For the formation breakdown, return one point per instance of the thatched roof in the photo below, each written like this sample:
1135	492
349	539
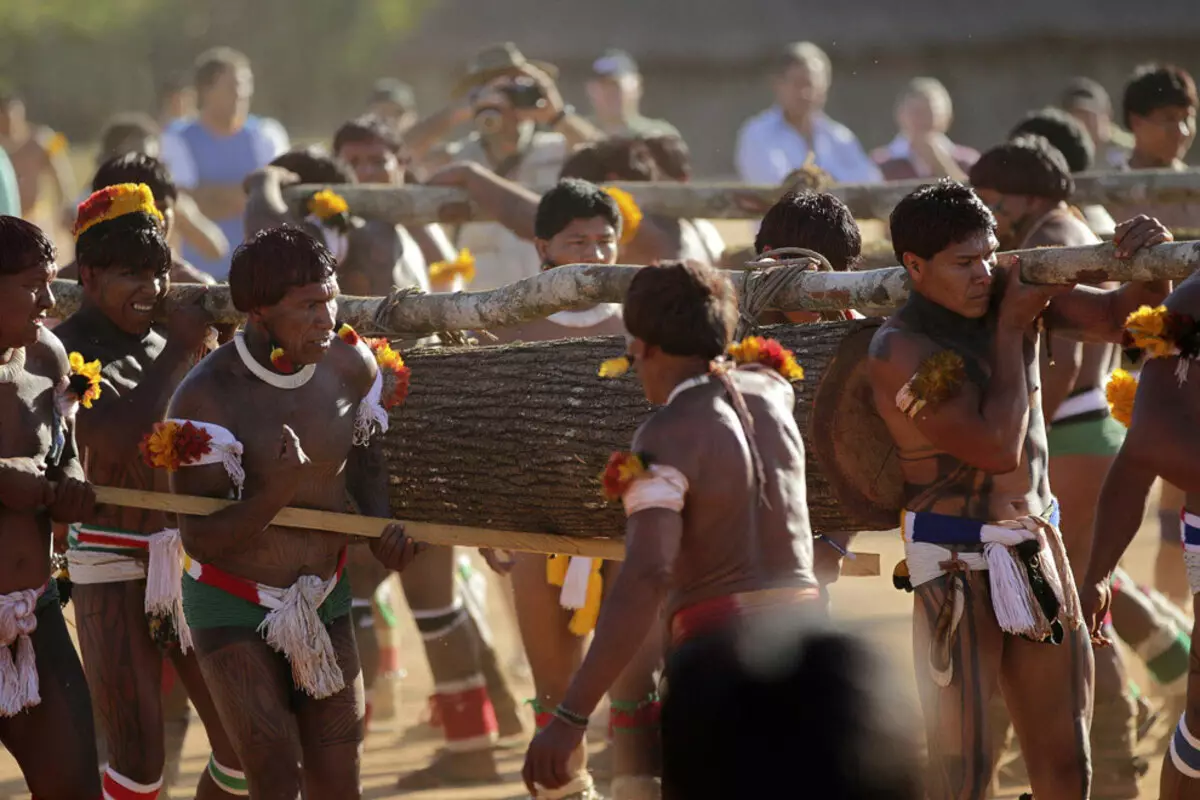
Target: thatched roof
741	30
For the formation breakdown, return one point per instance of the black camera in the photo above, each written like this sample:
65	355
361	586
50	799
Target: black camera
523	93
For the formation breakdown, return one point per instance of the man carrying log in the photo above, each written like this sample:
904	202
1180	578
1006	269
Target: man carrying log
717	528
1161	442
378	156
1027	185
956	380
125	562
45	711
557	598
286	413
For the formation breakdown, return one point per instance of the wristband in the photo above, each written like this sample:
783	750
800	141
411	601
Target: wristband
570	717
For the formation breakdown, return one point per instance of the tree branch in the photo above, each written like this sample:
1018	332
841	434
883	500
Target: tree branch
581	285
414	205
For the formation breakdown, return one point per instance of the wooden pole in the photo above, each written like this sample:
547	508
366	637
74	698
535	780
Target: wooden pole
579	285
861	564
415	205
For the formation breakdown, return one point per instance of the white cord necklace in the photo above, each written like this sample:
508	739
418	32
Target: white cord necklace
14	367
293	381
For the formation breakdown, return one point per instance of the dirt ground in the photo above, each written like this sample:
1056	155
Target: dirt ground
868	605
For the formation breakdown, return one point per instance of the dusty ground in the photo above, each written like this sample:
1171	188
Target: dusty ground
869	605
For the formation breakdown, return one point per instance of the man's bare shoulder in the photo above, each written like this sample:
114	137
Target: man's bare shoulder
1062	229
895	343
356	363
49	350
205	390
1186	297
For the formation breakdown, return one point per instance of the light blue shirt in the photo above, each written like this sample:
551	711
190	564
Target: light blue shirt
10	198
769	148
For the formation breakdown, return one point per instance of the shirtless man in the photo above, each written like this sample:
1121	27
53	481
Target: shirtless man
144	169
1027	185
657	237
973	454
35	151
123	562
290	696
45	711
726	448
577	223
378	156
1161	442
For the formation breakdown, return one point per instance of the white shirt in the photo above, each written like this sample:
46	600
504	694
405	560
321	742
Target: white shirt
769	148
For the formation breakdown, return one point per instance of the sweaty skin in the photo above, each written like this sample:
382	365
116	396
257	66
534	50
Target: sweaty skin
1162	441
140	373
730	542
64	716
309	466
982	455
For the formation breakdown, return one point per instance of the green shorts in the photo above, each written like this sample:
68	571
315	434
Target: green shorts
1086	436
207	606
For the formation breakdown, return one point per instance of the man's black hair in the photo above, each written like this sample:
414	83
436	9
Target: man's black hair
313	165
120	128
570	200
615	159
271	262
1155	86
936	216
1064	132
819	222
1026	165
23	246
370	128
138	168
133	241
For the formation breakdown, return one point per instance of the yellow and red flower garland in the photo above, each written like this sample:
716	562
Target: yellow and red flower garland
622	470
170	445
84	380
463	265
751	350
1120	391
331	209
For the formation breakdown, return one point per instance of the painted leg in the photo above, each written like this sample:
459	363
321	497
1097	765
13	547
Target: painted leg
634	729
224	776
554	653
957	723
460	693
54	742
124	669
1048	689
1116	766
331	730
251	688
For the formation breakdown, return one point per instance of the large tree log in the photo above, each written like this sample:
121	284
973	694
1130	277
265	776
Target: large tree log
515	437
585	284
413	205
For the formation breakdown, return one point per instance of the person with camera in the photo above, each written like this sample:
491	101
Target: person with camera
523	132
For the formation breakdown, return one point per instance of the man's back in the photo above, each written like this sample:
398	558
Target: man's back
736	539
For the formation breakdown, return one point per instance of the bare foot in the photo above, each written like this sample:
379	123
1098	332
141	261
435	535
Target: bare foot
452	769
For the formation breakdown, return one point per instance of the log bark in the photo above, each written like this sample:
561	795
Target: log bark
413	205
515	437
585	284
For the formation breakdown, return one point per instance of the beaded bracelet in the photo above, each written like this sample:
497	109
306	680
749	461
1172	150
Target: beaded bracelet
570	717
